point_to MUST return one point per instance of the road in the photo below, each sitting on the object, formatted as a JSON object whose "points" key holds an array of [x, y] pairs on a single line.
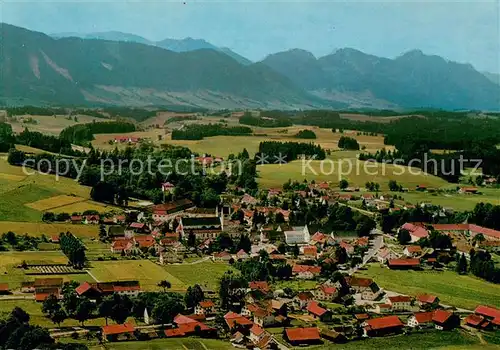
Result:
{"points": [[376, 244]]}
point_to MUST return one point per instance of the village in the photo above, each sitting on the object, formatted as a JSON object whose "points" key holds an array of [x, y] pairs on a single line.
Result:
{"points": [[288, 285]]}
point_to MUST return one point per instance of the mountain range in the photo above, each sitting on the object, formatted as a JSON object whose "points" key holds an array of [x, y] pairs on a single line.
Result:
{"points": [[116, 68], [176, 45]]}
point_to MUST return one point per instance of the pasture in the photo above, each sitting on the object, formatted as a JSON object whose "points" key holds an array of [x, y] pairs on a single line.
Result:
{"points": [[11, 274], [146, 272], [356, 172], [206, 274], [39, 228], [54, 202], [173, 343], [464, 291], [456, 201], [51, 125]]}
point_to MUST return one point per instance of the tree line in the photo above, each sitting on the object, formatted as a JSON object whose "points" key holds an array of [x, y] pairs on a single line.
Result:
{"points": [[73, 248], [200, 131], [81, 134], [289, 151], [273, 121]]}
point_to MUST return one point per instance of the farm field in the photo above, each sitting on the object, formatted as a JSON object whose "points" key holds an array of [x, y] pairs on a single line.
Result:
{"points": [[452, 340], [54, 202], [39, 228], [9, 273], [274, 175], [456, 201], [145, 271], [162, 344], [206, 274], [38, 318], [51, 125], [452, 289], [80, 207]]}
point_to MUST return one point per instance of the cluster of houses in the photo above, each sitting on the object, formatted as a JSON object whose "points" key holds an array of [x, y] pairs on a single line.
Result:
{"points": [[420, 230]]}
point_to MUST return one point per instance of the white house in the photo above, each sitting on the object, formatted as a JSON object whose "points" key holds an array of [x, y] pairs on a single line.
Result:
{"points": [[299, 235]]}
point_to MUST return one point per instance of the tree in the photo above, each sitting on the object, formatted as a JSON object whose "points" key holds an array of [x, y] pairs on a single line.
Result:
{"points": [[191, 241], [105, 308], [244, 244], [193, 296], [102, 232], [343, 184], [365, 225], [51, 305], [84, 310], [393, 186], [59, 316], [167, 307], [121, 309], [19, 315], [165, 285], [341, 255], [404, 237], [478, 239], [462, 265]]}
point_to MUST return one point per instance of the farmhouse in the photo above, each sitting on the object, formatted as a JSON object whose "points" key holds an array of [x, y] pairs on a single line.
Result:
{"points": [[303, 336], [416, 231], [443, 320], [489, 313], [233, 320], [325, 293], [302, 299], [421, 319], [4, 288], [117, 332], [468, 190], [100, 289], [367, 287], [187, 326], [400, 303], [261, 286], [305, 271], [412, 251], [469, 230], [427, 300], [317, 312], [206, 307], [403, 264], [383, 326]]}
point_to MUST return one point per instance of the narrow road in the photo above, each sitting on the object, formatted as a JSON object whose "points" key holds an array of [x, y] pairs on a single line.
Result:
{"points": [[376, 243]]}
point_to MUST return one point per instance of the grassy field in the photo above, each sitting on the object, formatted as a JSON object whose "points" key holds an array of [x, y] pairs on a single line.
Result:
{"points": [[84, 205], [51, 125], [54, 202], [452, 289], [356, 172], [174, 344], [145, 271], [205, 274], [39, 228], [456, 201], [430, 340], [9, 273]]}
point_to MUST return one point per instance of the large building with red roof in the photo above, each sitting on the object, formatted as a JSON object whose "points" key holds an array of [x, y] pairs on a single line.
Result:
{"points": [[118, 332], [383, 325], [303, 336]]}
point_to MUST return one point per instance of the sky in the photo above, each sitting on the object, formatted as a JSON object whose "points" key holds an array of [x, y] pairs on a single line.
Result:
{"points": [[462, 31]]}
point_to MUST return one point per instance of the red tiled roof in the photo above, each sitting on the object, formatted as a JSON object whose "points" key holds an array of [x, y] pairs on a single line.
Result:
{"points": [[175, 332], [314, 308], [117, 329], [383, 322], [427, 298], [403, 262], [304, 334], [474, 320], [4, 287], [233, 318], [441, 316], [424, 317], [318, 237], [487, 311], [82, 288], [414, 249], [206, 303], [415, 230], [400, 299], [257, 330], [361, 316], [306, 268], [137, 225], [360, 282], [328, 289], [260, 285], [310, 250], [305, 296]]}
